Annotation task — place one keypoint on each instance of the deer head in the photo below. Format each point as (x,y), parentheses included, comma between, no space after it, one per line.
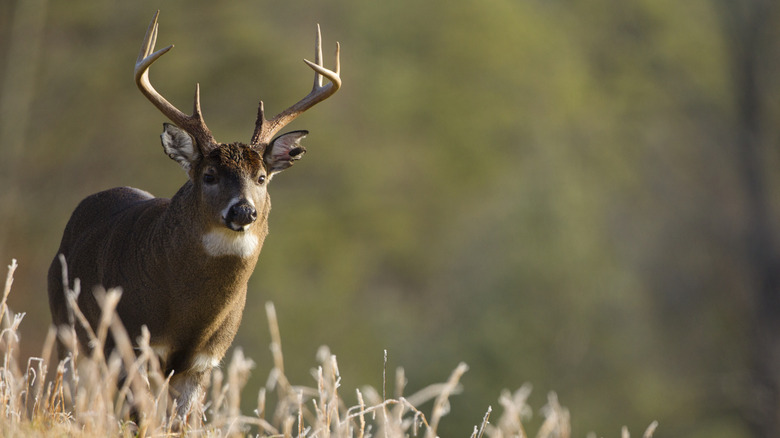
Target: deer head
(232,177)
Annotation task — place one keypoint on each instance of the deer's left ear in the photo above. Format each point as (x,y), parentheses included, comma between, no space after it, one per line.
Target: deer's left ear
(283,151)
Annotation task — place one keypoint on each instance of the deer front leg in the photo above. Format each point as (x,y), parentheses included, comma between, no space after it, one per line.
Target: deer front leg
(187,390)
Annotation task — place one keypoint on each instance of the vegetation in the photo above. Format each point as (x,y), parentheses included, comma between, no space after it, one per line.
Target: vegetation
(126,394)
(579,194)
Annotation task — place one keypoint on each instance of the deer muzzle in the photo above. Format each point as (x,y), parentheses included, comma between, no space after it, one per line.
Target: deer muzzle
(240,215)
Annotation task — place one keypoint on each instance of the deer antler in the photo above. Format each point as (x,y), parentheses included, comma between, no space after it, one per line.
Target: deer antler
(265,129)
(194,124)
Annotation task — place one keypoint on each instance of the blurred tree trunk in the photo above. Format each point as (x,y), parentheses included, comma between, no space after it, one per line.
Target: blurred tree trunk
(747,25)
(16,96)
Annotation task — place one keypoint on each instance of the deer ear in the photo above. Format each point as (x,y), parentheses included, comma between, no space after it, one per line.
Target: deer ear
(179,146)
(284,150)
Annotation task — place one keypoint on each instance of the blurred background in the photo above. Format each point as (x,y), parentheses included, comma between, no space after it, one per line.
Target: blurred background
(582,194)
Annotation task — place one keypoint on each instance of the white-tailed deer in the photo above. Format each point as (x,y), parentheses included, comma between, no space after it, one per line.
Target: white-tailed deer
(183,263)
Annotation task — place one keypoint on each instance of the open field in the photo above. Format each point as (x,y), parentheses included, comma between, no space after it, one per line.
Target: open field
(96,397)
(583,195)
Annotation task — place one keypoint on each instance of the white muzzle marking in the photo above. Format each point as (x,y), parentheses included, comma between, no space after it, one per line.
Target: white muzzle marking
(235,200)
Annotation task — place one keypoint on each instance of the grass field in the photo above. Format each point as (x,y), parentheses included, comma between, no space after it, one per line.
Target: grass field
(93,396)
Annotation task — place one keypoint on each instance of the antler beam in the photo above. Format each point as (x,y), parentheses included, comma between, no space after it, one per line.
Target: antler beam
(194,124)
(265,129)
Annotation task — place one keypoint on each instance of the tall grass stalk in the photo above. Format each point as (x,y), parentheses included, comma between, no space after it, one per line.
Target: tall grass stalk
(126,393)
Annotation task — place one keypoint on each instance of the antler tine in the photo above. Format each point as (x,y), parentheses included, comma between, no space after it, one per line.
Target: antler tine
(194,124)
(317,58)
(265,129)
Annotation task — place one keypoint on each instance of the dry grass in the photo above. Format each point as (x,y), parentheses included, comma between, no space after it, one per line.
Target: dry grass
(94,396)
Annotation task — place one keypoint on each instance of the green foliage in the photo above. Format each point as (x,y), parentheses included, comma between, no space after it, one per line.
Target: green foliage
(546,190)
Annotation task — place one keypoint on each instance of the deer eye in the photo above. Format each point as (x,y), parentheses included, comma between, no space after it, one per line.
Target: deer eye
(261,179)
(210,177)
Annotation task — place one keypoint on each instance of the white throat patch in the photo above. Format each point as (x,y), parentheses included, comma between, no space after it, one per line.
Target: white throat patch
(218,242)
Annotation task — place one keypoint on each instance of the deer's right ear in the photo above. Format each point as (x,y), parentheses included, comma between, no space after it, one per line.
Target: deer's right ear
(179,146)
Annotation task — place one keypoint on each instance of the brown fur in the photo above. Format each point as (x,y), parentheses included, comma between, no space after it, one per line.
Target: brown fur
(183,263)
(236,157)
(151,247)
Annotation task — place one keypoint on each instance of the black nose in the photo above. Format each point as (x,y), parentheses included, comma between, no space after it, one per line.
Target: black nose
(240,214)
